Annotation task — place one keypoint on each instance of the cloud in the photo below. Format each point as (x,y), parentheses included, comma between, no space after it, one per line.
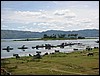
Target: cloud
(2,20)
(97,18)
(55,2)
(61,12)
(66,13)
(27,13)
(22,27)
(4,26)
(86,20)
(40,16)
(60,19)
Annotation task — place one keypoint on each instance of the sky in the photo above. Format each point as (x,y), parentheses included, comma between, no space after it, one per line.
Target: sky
(38,16)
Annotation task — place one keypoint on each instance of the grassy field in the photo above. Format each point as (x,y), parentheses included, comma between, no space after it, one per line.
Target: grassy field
(75,63)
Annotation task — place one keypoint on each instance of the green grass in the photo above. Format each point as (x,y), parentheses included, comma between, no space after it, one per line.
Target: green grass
(75,63)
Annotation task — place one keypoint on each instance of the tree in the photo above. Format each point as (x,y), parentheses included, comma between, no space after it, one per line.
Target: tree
(61,35)
(54,36)
(72,35)
(45,36)
(75,35)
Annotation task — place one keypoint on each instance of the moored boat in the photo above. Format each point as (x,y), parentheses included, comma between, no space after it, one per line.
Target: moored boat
(7,49)
(97,41)
(23,47)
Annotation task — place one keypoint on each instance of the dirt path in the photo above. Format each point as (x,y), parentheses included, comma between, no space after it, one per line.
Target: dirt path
(51,69)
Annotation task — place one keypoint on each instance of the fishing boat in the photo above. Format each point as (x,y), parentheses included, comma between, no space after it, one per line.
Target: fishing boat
(75,49)
(23,47)
(8,49)
(97,41)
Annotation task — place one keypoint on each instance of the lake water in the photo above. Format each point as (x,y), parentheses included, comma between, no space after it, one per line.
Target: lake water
(30,44)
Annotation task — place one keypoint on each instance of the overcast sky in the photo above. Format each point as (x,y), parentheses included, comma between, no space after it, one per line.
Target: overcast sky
(38,16)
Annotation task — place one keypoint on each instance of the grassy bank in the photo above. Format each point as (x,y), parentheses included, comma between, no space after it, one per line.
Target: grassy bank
(32,39)
(44,39)
(75,63)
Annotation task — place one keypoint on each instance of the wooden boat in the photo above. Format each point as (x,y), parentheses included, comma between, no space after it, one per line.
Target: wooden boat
(23,48)
(7,49)
(97,41)
(38,51)
(75,49)
(33,47)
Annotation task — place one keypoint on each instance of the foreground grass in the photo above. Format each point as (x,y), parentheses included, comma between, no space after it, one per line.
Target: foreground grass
(75,63)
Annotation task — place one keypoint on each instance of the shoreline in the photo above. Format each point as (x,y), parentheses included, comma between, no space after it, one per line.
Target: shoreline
(45,52)
(74,63)
(45,39)
(34,54)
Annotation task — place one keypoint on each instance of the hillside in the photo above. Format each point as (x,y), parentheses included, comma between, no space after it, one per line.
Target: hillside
(14,34)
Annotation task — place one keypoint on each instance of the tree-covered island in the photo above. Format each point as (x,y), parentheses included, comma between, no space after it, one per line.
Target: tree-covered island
(55,37)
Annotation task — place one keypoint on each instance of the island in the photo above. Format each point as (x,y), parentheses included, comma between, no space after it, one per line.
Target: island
(55,37)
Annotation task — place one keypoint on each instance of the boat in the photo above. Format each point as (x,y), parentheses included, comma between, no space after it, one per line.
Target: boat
(97,41)
(23,48)
(7,49)
(75,49)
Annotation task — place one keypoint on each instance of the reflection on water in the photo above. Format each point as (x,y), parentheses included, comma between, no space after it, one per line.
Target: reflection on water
(30,44)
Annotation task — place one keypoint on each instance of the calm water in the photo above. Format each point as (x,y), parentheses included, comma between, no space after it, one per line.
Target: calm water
(30,44)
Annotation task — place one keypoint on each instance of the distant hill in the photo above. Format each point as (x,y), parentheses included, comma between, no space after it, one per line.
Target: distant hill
(14,34)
